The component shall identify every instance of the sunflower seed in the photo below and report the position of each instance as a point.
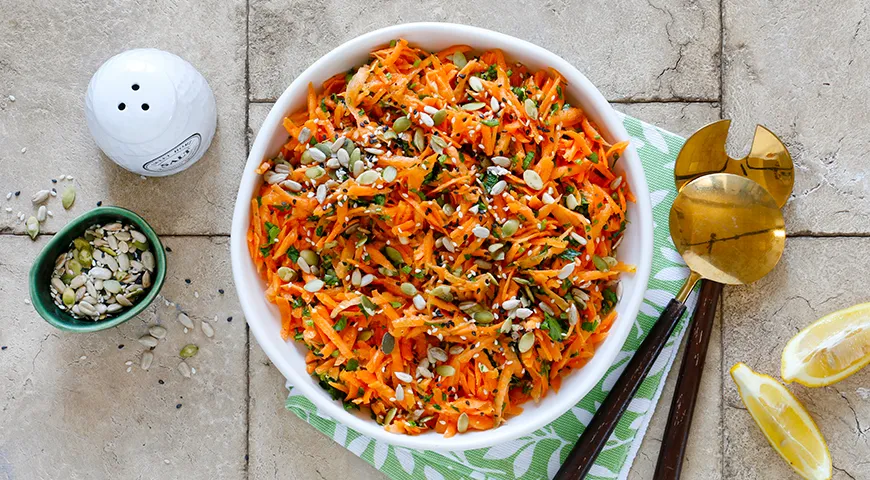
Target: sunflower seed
(445, 370)
(32, 227)
(146, 360)
(506, 326)
(404, 377)
(578, 238)
(566, 271)
(123, 262)
(409, 289)
(510, 304)
(316, 154)
(494, 105)
(320, 196)
(501, 161)
(78, 281)
(524, 313)
(40, 197)
(573, 314)
(374, 151)
(292, 185)
(480, 232)
(437, 354)
(426, 119)
(498, 188)
(115, 307)
(462, 423)
(58, 284)
(40, 213)
(419, 302)
(366, 280)
(356, 278)
(343, 158)
(148, 341)
(400, 392)
(527, 342)
(184, 369)
(184, 320)
(273, 178)
(157, 331)
(304, 135)
(337, 144)
(459, 60)
(148, 260)
(448, 244)
(100, 273)
(533, 180)
(419, 140)
(470, 107)
(368, 177)
(547, 198)
(207, 329)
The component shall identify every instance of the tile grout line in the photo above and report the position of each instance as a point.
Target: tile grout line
(247, 469)
(721, 55)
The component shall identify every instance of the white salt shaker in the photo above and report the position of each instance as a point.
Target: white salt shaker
(151, 112)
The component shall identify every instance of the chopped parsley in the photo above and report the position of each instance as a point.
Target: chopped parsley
(528, 160)
(293, 254)
(272, 231)
(352, 365)
(340, 324)
(490, 122)
(569, 254)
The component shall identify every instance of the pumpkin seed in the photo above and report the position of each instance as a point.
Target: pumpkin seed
(40, 197)
(388, 135)
(419, 141)
(391, 414)
(610, 261)
(286, 274)
(388, 343)
(389, 174)
(445, 370)
(483, 317)
(188, 351)
(459, 60)
(509, 228)
(306, 158)
(355, 155)
(365, 335)
(531, 108)
(439, 117)
(183, 319)
(436, 354)
(310, 257)
(314, 172)
(462, 423)
(32, 227)
(401, 124)
(443, 292)
(368, 306)
(69, 297)
(409, 289)
(146, 340)
(475, 84)
(470, 107)
(527, 342)
(506, 326)
(600, 264)
(368, 177)
(314, 285)
(533, 180)
(394, 256)
(325, 148)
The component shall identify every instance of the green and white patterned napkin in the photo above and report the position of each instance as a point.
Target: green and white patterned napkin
(541, 454)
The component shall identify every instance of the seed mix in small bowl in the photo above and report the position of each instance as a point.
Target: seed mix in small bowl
(104, 271)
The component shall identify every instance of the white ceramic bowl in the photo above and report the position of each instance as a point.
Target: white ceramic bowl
(264, 319)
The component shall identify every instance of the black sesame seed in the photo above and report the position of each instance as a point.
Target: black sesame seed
(4, 347)
(229, 319)
(18, 193)
(100, 203)
(177, 406)
(53, 180)
(246, 457)
(168, 249)
(187, 281)
(221, 291)
(120, 346)
(161, 382)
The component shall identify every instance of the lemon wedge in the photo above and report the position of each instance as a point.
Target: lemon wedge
(785, 422)
(834, 347)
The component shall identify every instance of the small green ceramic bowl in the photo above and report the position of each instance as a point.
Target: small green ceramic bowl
(43, 266)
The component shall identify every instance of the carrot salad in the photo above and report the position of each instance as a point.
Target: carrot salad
(439, 232)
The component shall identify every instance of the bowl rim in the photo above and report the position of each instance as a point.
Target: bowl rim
(64, 236)
(606, 352)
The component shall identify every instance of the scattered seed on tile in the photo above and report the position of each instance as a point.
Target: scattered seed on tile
(221, 291)
(24, 150)
(100, 203)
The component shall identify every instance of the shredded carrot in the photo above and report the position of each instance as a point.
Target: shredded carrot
(439, 231)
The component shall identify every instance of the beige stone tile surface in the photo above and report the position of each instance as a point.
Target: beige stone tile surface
(759, 319)
(680, 118)
(640, 50)
(48, 56)
(788, 67)
(70, 407)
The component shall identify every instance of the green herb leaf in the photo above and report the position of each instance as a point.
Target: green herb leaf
(589, 326)
(489, 181)
(528, 160)
(352, 365)
(552, 324)
(265, 251)
(569, 254)
(593, 157)
(490, 122)
(293, 254)
(272, 231)
(340, 324)
(379, 199)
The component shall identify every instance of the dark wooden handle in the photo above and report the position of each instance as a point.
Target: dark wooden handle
(676, 435)
(598, 431)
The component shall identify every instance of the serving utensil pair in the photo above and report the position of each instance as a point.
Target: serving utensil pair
(727, 225)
